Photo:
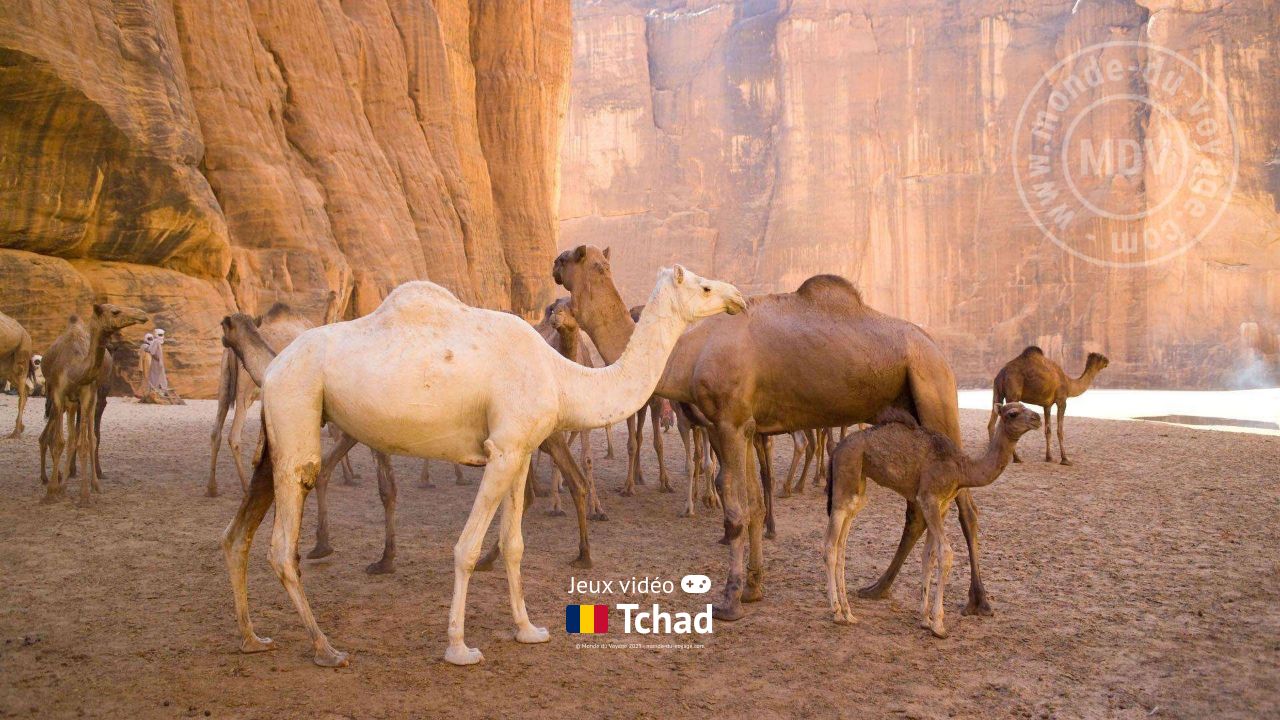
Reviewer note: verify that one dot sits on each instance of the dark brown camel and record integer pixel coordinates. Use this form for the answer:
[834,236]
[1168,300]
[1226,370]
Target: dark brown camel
[925,468]
[1034,379]
[815,358]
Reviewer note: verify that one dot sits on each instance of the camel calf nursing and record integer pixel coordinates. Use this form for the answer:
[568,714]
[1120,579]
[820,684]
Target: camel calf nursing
[928,470]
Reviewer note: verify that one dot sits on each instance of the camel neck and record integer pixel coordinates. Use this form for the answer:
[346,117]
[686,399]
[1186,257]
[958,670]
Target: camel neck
[254,353]
[594,398]
[97,351]
[1077,385]
[569,344]
[984,470]
[605,318]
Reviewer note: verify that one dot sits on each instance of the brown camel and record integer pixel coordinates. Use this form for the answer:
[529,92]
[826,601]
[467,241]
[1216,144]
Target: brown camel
[241,336]
[928,470]
[15,364]
[1034,379]
[72,370]
[814,358]
[424,480]
[560,328]
[106,376]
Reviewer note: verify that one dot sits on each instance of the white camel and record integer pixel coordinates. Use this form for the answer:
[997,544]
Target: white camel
[455,383]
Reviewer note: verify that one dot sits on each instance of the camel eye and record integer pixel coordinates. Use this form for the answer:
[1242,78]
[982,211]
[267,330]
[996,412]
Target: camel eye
[706,289]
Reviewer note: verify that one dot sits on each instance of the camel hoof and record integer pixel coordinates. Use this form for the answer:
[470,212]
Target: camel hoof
[873,592]
[598,517]
[51,498]
[981,608]
[582,562]
[844,617]
[382,567]
[13,435]
[462,655]
[330,658]
[626,492]
[427,486]
[1067,462]
[783,494]
[257,644]
[320,551]
[462,482]
[211,492]
[724,540]
[938,631]
[532,635]
[1017,459]
[752,594]
[666,489]
[688,512]
[557,512]
[728,613]
[770,534]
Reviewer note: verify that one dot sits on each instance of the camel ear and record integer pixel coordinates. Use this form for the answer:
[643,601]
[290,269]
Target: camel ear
[606,253]
[679,274]
[98,310]
[579,253]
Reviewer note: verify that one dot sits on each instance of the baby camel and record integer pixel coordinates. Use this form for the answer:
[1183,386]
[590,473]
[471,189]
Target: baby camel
[447,389]
[927,469]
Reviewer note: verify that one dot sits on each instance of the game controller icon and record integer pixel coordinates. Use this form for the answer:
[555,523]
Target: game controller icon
[695,584]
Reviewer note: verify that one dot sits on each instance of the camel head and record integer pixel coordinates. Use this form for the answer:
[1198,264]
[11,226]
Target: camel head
[1096,360]
[697,297]
[579,268]
[1017,419]
[560,315]
[115,317]
[237,326]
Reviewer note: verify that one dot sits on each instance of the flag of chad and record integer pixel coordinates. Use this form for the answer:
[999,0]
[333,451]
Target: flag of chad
[586,619]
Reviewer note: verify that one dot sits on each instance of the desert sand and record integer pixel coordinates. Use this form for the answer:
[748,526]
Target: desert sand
[1141,582]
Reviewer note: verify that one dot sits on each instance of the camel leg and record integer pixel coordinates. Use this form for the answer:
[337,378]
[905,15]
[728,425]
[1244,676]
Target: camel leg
[18,377]
[84,439]
[588,468]
[99,409]
[820,455]
[558,449]
[512,539]
[810,449]
[686,437]
[634,431]
[387,492]
[458,478]
[73,440]
[424,479]
[1062,413]
[235,547]
[796,443]
[227,393]
[348,473]
[608,442]
[655,422]
[339,452]
[1048,438]
[911,529]
[501,475]
[937,565]
[46,437]
[764,455]
[733,444]
[556,510]
[243,401]
[968,511]
[53,427]
[847,499]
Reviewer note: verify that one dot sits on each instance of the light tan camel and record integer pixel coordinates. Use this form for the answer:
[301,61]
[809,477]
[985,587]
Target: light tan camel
[925,468]
[1034,379]
[814,358]
[15,364]
[73,368]
[278,326]
[447,389]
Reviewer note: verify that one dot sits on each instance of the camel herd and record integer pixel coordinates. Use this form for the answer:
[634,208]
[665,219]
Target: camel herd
[485,388]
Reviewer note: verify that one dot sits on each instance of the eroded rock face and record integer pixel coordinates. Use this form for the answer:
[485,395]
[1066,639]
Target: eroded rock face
[195,157]
[762,142]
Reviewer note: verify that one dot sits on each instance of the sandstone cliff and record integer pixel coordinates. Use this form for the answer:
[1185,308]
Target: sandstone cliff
[192,157]
[767,140]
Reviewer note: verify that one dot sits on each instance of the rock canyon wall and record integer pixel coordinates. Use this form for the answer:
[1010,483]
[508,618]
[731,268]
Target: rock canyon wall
[763,141]
[194,157]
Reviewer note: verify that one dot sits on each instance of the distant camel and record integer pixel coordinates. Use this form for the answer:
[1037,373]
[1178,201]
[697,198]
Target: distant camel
[73,368]
[15,364]
[814,358]
[1034,379]
[927,469]
[448,388]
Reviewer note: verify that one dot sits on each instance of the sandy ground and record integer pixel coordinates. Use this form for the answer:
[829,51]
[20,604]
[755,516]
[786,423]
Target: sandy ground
[1142,582]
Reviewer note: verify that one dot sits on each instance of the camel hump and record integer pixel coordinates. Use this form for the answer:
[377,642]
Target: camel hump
[830,287]
[418,296]
[892,415]
[1031,350]
[276,310]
